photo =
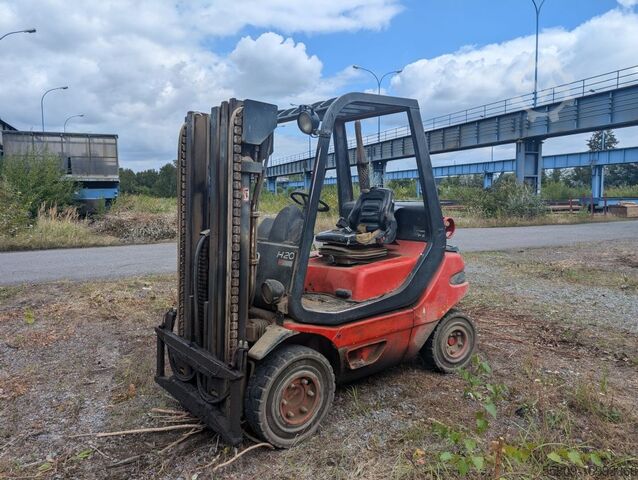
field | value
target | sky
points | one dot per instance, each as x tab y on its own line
134	68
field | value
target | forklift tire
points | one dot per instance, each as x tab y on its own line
451	345
289	395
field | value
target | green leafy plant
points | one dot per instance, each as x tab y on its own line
38	180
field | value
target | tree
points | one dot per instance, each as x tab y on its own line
166	183
128	181
599	141
150	182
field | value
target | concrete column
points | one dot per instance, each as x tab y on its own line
529	163
597	181
378	172
272	184
488	177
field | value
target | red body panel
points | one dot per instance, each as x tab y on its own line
368	280
404	332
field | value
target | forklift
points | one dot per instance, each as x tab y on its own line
270	314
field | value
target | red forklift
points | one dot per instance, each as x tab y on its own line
266	324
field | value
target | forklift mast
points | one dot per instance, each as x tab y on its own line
221	163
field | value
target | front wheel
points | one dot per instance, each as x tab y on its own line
452	343
289	394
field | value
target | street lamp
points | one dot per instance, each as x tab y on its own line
42	101
30	30
537	8
69	118
379	80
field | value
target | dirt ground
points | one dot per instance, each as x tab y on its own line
558	329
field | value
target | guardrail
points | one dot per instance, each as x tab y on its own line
567	91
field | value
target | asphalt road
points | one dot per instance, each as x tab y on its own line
125	261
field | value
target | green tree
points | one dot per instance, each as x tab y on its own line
166	183
146	180
128	181
599	141
38	180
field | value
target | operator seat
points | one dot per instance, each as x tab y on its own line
370	223
286	227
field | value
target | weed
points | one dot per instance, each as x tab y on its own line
55	228
585	399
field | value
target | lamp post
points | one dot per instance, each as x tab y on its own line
379	80
42	101
30	30
69	118
537	8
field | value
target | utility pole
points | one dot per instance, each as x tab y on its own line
379	80
69	118
537	8
42	101
30	30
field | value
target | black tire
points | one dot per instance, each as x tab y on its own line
279	391
440	354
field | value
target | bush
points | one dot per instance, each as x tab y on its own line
504	199
38	181
14	212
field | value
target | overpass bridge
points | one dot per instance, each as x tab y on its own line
596	160
601	102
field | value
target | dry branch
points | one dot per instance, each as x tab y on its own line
225	464
140	430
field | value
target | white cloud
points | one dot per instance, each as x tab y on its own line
135	68
476	75
272	67
310	16
628	3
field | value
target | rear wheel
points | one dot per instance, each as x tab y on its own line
289	394
452	343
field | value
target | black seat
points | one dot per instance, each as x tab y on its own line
286	227
371	221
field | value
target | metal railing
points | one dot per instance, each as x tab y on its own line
565	92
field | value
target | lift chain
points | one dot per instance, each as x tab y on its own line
236	233
181	227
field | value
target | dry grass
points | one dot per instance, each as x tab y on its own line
82	360
466	220
56	229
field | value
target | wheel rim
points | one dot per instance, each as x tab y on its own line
298	400
457	343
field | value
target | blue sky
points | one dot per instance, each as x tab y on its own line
427	29
137	74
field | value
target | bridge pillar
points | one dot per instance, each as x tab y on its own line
272	184
488	177
307	180
597	181
529	163
378	172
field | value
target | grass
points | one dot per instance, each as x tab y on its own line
143	204
56	229
464	219
147	219
563	398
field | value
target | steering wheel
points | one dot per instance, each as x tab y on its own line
301	199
